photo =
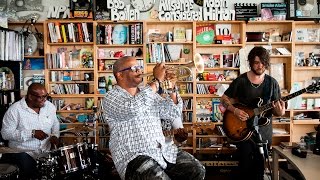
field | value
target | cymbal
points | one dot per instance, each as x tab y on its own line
4	150
84	129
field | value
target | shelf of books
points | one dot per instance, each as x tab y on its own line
305	114
70	76
80	55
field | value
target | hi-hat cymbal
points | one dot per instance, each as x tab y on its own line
4	150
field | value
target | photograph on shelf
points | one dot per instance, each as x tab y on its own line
119	34
286	37
205	34
33	64
211	60
228	59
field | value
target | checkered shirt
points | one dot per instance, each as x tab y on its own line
20	120
135	126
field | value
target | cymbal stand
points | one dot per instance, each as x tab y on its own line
95	110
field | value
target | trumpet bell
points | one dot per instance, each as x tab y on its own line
198	62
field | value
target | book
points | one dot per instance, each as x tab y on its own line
179	34
301	35
217	114
38	78
205	34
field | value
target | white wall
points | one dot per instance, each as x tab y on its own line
47	3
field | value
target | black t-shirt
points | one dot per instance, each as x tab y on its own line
246	93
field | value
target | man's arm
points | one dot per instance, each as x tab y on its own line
9	129
227	103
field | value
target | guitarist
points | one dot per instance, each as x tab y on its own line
245	89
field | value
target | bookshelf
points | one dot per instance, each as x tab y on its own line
104	53
69	74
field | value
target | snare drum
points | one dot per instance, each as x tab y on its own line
8	171
67	159
83	156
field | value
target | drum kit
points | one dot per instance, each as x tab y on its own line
77	161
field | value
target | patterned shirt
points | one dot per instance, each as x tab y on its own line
135	126
20	120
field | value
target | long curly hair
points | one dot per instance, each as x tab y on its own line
262	53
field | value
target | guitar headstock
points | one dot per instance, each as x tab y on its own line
314	87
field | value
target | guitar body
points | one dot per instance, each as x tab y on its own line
238	130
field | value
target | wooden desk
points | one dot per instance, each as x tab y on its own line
307	167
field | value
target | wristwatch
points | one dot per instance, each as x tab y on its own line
173	90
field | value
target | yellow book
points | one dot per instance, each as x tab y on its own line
63	32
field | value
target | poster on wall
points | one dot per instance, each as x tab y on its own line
303	10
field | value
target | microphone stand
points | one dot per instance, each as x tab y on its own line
261	144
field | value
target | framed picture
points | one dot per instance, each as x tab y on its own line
33	64
228	60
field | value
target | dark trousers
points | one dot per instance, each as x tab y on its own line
146	168
26	164
251	161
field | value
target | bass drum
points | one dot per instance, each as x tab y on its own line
8	171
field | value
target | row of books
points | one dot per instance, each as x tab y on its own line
187	104
11	45
70	88
159	52
120	34
203	88
185	88
58	103
70	32
65	59
187	116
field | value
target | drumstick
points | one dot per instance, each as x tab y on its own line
66	130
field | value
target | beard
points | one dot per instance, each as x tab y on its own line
258	71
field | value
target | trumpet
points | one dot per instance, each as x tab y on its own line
181	71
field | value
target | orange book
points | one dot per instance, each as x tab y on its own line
57	27
80	32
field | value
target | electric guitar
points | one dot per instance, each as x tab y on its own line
238	130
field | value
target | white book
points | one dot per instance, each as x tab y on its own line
70	32
2	43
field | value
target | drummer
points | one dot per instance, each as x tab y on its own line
31	127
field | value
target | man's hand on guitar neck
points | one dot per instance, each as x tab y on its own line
279	107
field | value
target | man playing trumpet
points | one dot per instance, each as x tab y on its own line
134	114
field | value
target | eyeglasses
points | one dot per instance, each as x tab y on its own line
134	68
40	97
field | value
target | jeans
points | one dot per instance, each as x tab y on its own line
251	162
145	168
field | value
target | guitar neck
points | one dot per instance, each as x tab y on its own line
268	106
